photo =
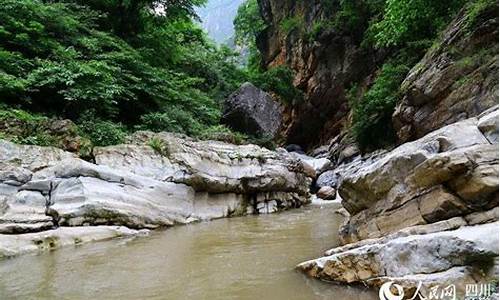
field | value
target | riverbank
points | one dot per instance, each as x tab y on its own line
154	181
243	258
424	213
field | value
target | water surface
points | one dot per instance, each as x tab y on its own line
241	258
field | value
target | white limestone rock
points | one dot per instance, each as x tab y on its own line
408	255
13	245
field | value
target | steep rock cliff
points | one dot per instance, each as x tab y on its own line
457	79
425	212
326	62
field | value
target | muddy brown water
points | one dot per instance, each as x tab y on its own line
241	258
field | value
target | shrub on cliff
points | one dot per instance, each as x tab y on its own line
405	29
278	80
101	132
372	124
22	127
248	23
406	21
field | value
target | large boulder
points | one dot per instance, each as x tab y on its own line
252	111
13	245
24	210
208	166
327	193
313	166
431	258
449	172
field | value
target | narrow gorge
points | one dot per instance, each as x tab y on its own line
342	159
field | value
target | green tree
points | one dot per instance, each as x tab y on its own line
66	57
126	18
248	23
412	20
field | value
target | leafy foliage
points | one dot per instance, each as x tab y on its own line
292	23
119	60
22	127
248	23
102	132
223	134
372	115
412	20
278	80
478	8
159	146
173	120
354	16
409	25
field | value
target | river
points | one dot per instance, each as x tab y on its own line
241	258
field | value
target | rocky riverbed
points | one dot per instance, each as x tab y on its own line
50	198
426	211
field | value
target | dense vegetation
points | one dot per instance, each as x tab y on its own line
406	29
114	65
117	66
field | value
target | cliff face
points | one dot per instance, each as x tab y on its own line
217	18
325	66
422	212
455	80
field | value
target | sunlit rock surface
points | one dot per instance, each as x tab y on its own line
427	211
142	186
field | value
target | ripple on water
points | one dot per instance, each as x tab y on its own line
241	258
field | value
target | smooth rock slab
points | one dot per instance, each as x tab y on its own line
373	181
24	212
450	172
13	245
409	255
87	194
209	166
28	157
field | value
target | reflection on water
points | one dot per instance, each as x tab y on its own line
240	258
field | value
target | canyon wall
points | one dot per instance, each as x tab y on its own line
325	66
455	80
